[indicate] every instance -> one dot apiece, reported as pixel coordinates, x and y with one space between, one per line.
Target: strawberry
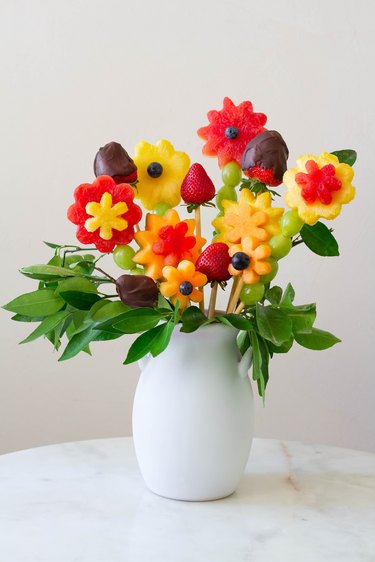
214 262
197 187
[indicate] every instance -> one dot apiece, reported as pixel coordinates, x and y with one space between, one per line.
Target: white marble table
86 502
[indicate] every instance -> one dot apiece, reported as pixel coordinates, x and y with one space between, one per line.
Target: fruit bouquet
173 273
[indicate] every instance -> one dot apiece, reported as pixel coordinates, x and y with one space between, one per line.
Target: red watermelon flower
230 130
104 213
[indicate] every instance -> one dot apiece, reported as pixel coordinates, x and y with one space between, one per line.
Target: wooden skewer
240 308
137 228
233 303
198 227
211 307
234 286
198 230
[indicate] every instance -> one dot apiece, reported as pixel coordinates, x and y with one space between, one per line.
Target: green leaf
143 344
317 339
20 318
192 318
273 324
346 156
283 348
48 272
52 245
288 297
48 324
80 284
302 317
138 320
163 338
243 342
42 302
82 301
236 321
110 310
319 239
260 362
77 344
274 294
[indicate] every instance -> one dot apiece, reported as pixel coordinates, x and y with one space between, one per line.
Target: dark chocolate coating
113 160
137 290
268 150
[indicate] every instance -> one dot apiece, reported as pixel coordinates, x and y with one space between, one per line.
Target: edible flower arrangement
168 263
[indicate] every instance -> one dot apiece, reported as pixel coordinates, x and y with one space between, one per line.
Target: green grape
231 174
251 294
225 193
161 208
272 274
290 223
280 246
137 271
123 257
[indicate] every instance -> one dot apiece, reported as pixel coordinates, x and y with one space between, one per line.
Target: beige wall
77 74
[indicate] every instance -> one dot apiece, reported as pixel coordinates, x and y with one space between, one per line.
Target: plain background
76 74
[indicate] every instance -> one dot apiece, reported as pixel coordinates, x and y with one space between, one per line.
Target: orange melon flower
166 241
251 216
182 283
257 254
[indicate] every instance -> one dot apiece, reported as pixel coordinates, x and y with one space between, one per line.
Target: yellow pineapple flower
250 216
182 283
318 187
161 171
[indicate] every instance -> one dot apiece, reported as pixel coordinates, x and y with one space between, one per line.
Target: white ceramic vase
193 415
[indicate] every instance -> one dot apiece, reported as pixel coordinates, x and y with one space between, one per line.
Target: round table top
86 502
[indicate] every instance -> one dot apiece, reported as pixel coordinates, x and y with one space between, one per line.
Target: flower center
186 288
240 261
318 183
231 132
155 170
105 216
173 243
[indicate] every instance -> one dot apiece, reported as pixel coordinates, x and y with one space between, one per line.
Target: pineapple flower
318 187
161 171
182 283
166 241
230 130
251 216
104 213
257 254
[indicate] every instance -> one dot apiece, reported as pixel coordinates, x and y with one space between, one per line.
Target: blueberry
231 132
186 288
155 170
240 261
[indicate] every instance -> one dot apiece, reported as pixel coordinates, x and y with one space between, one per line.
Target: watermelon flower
318 187
230 130
251 216
161 171
251 255
105 213
166 241
183 283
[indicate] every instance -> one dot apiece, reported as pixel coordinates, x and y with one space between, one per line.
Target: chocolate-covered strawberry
265 158
197 187
113 160
214 262
137 290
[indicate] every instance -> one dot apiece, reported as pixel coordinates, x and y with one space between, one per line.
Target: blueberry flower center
240 261
231 132
186 288
155 170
